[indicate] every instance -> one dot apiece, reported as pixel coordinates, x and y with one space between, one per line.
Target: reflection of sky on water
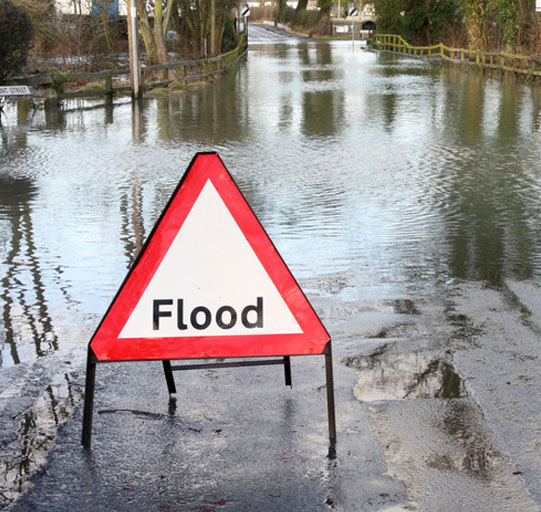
372 166
393 372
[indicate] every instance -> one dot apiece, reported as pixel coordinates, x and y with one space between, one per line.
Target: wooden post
109 84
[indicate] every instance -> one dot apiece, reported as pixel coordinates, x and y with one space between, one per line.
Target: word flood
201 317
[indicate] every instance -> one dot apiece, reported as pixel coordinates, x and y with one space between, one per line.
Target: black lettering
157 314
258 309
206 322
220 317
180 315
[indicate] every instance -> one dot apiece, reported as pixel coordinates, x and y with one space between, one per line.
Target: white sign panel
15 90
210 283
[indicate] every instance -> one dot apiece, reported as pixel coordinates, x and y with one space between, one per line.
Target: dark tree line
482 24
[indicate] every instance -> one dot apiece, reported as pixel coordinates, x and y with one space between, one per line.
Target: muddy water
384 182
365 165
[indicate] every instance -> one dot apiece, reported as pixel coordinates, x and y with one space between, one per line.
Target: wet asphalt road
460 437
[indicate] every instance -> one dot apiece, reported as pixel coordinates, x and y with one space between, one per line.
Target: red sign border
105 343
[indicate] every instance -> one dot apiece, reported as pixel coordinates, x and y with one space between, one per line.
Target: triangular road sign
208 283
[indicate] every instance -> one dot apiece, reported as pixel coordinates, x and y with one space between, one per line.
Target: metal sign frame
285 361
107 344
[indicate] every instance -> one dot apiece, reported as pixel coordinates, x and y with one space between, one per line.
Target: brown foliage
75 41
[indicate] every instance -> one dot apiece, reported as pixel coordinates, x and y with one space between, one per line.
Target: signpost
12 90
352 11
15 90
537 5
243 14
208 283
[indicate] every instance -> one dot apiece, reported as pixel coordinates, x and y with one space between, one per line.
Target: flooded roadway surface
405 198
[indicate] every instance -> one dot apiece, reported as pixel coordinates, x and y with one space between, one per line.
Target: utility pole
135 69
352 11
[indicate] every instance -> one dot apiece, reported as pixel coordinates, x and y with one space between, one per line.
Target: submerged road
407 210
264 33
462 437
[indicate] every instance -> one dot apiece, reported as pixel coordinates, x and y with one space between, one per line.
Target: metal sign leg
287 370
89 399
169 376
330 394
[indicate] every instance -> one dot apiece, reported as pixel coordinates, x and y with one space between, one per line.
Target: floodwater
391 187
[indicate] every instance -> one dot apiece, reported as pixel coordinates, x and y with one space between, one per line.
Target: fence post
109 84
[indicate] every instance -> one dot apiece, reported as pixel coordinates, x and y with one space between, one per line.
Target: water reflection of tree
320 54
488 232
384 100
35 429
536 110
472 100
132 232
208 114
322 110
285 77
22 304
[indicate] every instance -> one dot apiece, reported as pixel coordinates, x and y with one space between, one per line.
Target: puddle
35 435
391 373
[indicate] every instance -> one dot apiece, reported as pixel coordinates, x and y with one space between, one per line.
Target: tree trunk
220 33
301 6
146 33
170 5
213 49
159 39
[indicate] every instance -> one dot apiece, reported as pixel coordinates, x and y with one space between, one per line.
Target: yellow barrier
502 61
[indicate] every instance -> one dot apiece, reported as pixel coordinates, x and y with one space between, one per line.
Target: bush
389 16
15 38
429 22
229 39
263 13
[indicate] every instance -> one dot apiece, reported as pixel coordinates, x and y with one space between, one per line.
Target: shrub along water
510 25
15 38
